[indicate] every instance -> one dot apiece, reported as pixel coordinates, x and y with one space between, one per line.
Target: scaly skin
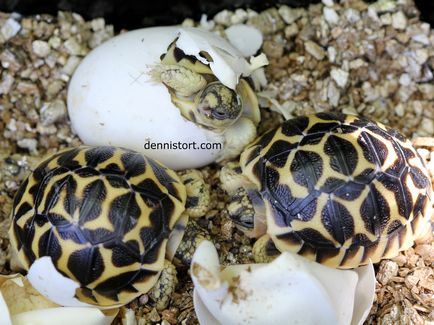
183 81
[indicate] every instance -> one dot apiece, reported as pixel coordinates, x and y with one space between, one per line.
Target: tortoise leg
193 236
264 250
247 208
241 210
162 290
198 198
197 205
183 81
238 136
232 178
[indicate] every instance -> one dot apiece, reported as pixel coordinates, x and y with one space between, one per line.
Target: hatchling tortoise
204 100
108 217
337 189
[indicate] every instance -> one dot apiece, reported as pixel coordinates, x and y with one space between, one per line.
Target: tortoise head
247 207
218 106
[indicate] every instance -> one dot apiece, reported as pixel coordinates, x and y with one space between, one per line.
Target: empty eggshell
289 288
112 102
45 278
21 304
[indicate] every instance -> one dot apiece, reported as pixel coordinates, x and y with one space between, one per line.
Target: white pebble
350 110
300 59
70 65
205 23
223 17
383 5
427 125
188 22
333 94
427 90
404 79
420 55
315 50
418 108
55 42
352 15
400 109
55 111
12 125
421 38
332 53
41 48
10 28
6 84
291 30
340 76
28 143
399 20
289 15
328 3
386 19
357 63
373 14
330 15
72 46
239 16
97 24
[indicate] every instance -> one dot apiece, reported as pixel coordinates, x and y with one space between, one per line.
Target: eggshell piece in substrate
283 291
21 304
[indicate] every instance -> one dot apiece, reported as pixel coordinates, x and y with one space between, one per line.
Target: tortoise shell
340 189
103 215
175 55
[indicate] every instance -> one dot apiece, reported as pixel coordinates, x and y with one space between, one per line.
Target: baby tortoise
337 189
204 100
108 217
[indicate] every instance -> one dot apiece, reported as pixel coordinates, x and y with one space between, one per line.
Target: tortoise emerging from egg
107 217
335 188
142 95
203 99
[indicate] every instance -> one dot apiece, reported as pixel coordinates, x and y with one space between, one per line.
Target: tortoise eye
220 115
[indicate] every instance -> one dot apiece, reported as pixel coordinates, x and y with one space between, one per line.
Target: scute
103 214
342 190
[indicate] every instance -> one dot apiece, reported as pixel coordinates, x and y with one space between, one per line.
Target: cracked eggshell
248 39
21 304
111 102
289 288
54 286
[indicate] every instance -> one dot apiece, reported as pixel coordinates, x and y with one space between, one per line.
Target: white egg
112 102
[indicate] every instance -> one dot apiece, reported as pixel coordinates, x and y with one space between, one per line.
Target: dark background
132 14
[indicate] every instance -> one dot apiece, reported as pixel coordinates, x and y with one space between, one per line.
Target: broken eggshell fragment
248 39
112 99
22 304
290 287
56 287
